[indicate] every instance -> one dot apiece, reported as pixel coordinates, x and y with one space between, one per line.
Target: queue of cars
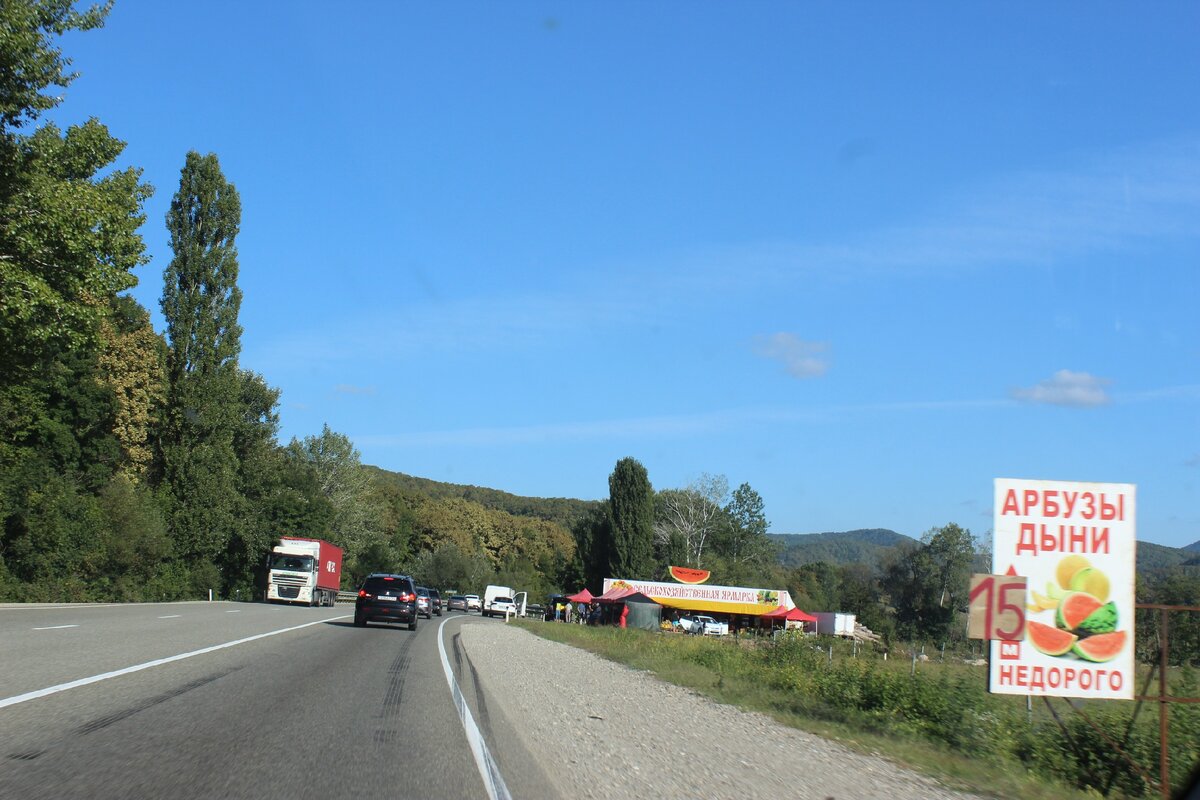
388 597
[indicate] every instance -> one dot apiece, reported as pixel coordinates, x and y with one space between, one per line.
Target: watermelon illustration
689 575
1048 639
1074 608
1102 620
1101 647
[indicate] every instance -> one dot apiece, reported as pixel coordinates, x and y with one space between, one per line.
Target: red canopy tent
789 615
582 597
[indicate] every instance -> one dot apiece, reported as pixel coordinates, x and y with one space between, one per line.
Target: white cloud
801 359
1067 388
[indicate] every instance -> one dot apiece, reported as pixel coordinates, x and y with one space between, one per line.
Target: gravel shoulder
603 730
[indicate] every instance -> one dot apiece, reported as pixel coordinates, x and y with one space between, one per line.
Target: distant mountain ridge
871 546
864 546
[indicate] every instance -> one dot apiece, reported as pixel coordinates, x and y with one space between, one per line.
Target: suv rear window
378 584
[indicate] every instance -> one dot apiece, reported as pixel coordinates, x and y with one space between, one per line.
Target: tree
200 303
746 542
688 517
631 500
68 245
928 583
132 364
32 62
593 548
345 484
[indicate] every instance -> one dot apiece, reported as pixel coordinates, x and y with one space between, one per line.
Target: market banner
1076 542
720 599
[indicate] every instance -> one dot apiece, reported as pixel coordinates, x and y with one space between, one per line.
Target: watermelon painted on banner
689 575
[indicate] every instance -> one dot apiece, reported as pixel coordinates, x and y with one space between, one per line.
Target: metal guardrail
347 597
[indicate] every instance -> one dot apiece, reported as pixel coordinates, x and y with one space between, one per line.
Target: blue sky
864 257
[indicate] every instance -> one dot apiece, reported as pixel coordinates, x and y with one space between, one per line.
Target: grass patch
941 720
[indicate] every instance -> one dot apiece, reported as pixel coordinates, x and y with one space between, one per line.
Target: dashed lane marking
62 687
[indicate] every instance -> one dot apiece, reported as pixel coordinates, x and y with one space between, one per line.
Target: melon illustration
1042 603
1074 608
1048 639
1100 648
1102 620
1092 581
1067 568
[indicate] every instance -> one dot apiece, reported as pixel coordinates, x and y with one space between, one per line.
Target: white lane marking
492 780
62 687
55 627
235 611
172 616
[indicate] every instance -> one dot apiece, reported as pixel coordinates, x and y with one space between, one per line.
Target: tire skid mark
28 755
100 723
394 696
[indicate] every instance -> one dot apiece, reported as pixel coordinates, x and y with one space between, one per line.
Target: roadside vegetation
934 716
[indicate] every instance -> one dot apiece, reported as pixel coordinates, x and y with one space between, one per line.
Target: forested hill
564 511
872 546
866 546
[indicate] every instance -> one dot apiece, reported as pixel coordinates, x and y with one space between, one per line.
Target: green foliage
631 502
927 584
563 511
32 61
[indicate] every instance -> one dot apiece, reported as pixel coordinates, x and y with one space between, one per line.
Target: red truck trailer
305 571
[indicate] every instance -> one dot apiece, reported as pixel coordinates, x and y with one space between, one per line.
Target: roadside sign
1076 542
997 608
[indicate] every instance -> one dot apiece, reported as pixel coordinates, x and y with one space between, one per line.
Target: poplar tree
200 304
631 502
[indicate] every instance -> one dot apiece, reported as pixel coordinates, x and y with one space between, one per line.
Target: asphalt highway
245 700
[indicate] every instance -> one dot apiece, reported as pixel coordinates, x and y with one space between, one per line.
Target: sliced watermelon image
1049 640
1074 608
688 575
1101 647
1102 620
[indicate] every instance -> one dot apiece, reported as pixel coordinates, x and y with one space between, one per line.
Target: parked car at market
702 624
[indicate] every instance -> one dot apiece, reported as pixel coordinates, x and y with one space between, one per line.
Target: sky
864 257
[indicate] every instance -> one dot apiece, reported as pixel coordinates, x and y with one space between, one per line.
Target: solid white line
62 687
55 627
172 616
235 611
492 780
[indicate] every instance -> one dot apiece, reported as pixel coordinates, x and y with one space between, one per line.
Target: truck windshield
296 563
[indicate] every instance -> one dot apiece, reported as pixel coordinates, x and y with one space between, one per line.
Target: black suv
435 601
386 598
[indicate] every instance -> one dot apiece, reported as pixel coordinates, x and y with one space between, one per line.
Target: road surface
242 700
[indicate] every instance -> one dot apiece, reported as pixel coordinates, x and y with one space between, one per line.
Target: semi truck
304 571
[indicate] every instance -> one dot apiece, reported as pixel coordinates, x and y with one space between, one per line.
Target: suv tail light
363 593
407 598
